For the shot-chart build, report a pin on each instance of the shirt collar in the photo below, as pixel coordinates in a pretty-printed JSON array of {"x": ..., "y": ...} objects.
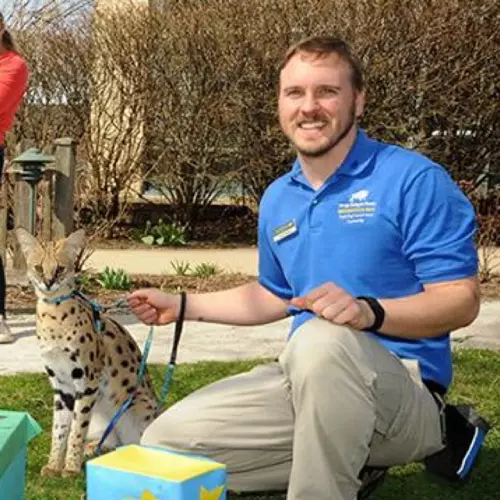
[{"x": 357, "y": 160}]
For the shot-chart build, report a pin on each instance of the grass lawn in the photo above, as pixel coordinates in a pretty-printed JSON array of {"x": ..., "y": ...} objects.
[{"x": 477, "y": 380}]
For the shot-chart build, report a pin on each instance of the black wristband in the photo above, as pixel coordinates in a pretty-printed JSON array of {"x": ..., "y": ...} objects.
[{"x": 378, "y": 311}]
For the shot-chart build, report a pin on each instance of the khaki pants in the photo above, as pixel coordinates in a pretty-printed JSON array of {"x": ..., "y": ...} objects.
[{"x": 334, "y": 401}]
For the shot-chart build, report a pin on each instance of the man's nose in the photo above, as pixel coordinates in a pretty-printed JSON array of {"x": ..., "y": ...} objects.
[{"x": 309, "y": 104}]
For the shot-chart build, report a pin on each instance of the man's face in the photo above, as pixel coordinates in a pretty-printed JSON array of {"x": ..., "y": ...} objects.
[{"x": 317, "y": 103}]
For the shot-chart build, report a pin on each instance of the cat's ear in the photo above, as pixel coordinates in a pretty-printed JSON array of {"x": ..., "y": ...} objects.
[
  {"x": 73, "y": 244},
  {"x": 27, "y": 242}
]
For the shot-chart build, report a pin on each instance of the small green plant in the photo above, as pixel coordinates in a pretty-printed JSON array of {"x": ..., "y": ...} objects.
[
  {"x": 83, "y": 281},
  {"x": 205, "y": 270},
  {"x": 162, "y": 234},
  {"x": 180, "y": 268},
  {"x": 114, "y": 279}
]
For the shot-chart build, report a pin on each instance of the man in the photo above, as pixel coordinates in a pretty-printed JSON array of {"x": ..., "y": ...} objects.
[
  {"x": 353, "y": 218},
  {"x": 13, "y": 82}
]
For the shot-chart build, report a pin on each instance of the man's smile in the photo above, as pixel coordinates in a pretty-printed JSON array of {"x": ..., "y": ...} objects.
[{"x": 316, "y": 125}]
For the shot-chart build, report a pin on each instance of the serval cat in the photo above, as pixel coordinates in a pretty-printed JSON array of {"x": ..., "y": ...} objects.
[{"x": 92, "y": 371}]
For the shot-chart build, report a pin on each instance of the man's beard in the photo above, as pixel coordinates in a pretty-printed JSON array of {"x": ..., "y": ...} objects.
[{"x": 317, "y": 153}]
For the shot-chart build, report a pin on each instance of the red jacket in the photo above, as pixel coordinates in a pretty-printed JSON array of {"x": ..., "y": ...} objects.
[{"x": 13, "y": 83}]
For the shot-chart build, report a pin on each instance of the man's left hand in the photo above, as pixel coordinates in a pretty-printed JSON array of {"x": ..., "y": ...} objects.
[{"x": 335, "y": 305}]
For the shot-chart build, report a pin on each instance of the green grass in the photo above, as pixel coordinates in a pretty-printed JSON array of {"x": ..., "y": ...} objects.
[{"x": 477, "y": 381}]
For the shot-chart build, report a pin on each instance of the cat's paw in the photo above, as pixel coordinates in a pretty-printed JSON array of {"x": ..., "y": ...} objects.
[
  {"x": 90, "y": 449},
  {"x": 48, "y": 471},
  {"x": 70, "y": 473}
]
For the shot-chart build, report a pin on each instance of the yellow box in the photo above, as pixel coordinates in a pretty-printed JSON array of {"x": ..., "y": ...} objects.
[{"x": 141, "y": 473}]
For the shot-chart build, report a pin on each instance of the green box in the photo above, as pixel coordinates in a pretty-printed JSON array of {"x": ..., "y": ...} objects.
[{"x": 16, "y": 430}]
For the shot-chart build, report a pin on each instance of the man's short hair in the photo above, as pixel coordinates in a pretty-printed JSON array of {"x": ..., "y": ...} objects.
[{"x": 322, "y": 46}]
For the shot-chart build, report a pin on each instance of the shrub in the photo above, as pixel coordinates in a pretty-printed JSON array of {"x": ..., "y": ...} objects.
[
  {"x": 114, "y": 279},
  {"x": 181, "y": 268},
  {"x": 184, "y": 93},
  {"x": 83, "y": 281},
  {"x": 162, "y": 234},
  {"x": 205, "y": 270}
]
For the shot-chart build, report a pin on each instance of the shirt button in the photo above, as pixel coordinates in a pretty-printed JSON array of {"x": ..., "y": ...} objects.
[{"x": 315, "y": 202}]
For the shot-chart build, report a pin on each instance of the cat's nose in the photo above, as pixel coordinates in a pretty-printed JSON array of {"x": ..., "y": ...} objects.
[{"x": 49, "y": 283}]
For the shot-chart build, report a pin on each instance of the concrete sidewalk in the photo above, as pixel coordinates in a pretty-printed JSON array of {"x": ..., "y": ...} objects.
[
  {"x": 212, "y": 342},
  {"x": 199, "y": 342},
  {"x": 158, "y": 260}
]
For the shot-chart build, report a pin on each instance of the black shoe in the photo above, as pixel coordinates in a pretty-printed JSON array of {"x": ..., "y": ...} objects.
[{"x": 371, "y": 478}]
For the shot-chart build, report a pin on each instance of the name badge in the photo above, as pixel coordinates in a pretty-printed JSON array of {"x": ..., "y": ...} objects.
[{"x": 284, "y": 231}]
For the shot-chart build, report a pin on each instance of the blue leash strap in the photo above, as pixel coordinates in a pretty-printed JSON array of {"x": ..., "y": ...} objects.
[
  {"x": 126, "y": 405},
  {"x": 169, "y": 372},
  {"x": 167, "y": 379},
  {"x": 97, "y": 308}
]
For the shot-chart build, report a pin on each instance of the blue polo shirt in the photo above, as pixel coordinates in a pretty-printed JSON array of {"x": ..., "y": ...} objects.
[{"x": 388, "y": 221}]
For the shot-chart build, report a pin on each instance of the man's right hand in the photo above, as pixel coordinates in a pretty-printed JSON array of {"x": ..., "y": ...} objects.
[{"x": 154, "y": 307}]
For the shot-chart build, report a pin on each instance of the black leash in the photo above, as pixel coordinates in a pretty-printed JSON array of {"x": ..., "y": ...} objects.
[{"x": 179, "y": 324}]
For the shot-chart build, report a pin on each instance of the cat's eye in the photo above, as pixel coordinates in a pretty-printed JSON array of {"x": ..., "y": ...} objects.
[
  {"x": 60, "y": 270},
  {"x": 39, "y": 269}
]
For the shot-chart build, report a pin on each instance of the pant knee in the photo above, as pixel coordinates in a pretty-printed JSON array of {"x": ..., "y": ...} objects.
[
  {"x": 315, "y": 345},
  {"x": 319, "y": 350},
  {"x": 179, "y": 431},
  {"x": 166, "y": 432}
]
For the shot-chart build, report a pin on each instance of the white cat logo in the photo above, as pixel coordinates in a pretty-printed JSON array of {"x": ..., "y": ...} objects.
[{"x": 359, "y": 196}]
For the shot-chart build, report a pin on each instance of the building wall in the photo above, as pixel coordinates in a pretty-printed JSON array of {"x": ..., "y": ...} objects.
[{"x": 117, "y": 119}]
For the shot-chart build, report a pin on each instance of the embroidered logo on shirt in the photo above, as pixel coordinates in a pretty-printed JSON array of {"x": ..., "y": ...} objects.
[
  {"x": 284, "y": 231},
  {"x": 358, "y": 209},
  {"x": 359, "y": 196}
]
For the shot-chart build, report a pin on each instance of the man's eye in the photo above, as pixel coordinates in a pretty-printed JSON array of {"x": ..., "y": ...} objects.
[
  {"x": 328, "y": 92},
  {"x": 293, "y": 93}
]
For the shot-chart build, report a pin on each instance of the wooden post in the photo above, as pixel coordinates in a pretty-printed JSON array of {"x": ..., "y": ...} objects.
[
  {"x": 47, "y": 188},
  {"x": 65, "y": 166},
  {"x": 20, "y": 204},
  {"x": 22, "y": 210}
]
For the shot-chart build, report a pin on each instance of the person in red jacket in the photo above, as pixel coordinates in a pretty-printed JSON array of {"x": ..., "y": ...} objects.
[{"x": 13, "y": 83}]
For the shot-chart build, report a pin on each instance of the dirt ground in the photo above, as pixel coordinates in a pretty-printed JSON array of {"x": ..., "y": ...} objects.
[{"x": 21, "y": 298}]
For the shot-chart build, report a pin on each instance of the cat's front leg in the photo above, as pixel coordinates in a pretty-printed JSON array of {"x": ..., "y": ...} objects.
[
  {"x": 85, "y": 400},
  {"x": 63, "y": 406}
]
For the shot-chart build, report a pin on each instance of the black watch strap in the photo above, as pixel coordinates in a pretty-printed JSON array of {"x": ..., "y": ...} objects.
[{"x": 378, "y": 311}]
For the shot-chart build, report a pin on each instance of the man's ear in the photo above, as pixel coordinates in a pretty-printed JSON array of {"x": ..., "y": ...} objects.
[
  {"x": 359, "y": 103},
  {"x": 27, "y": 242}
]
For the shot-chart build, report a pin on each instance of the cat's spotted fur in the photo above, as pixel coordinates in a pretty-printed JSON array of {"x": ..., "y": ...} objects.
[{"x": 92, "y": 372}]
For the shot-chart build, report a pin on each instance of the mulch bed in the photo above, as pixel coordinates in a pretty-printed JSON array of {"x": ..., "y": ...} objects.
[{"x": 22, "y": 298}]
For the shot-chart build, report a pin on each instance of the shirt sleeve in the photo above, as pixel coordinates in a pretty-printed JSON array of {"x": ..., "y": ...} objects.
[
  {"x": 13, "y": 81},
  {"x": 438, "y": 227},
  {"x": 271, "y": 274}
]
